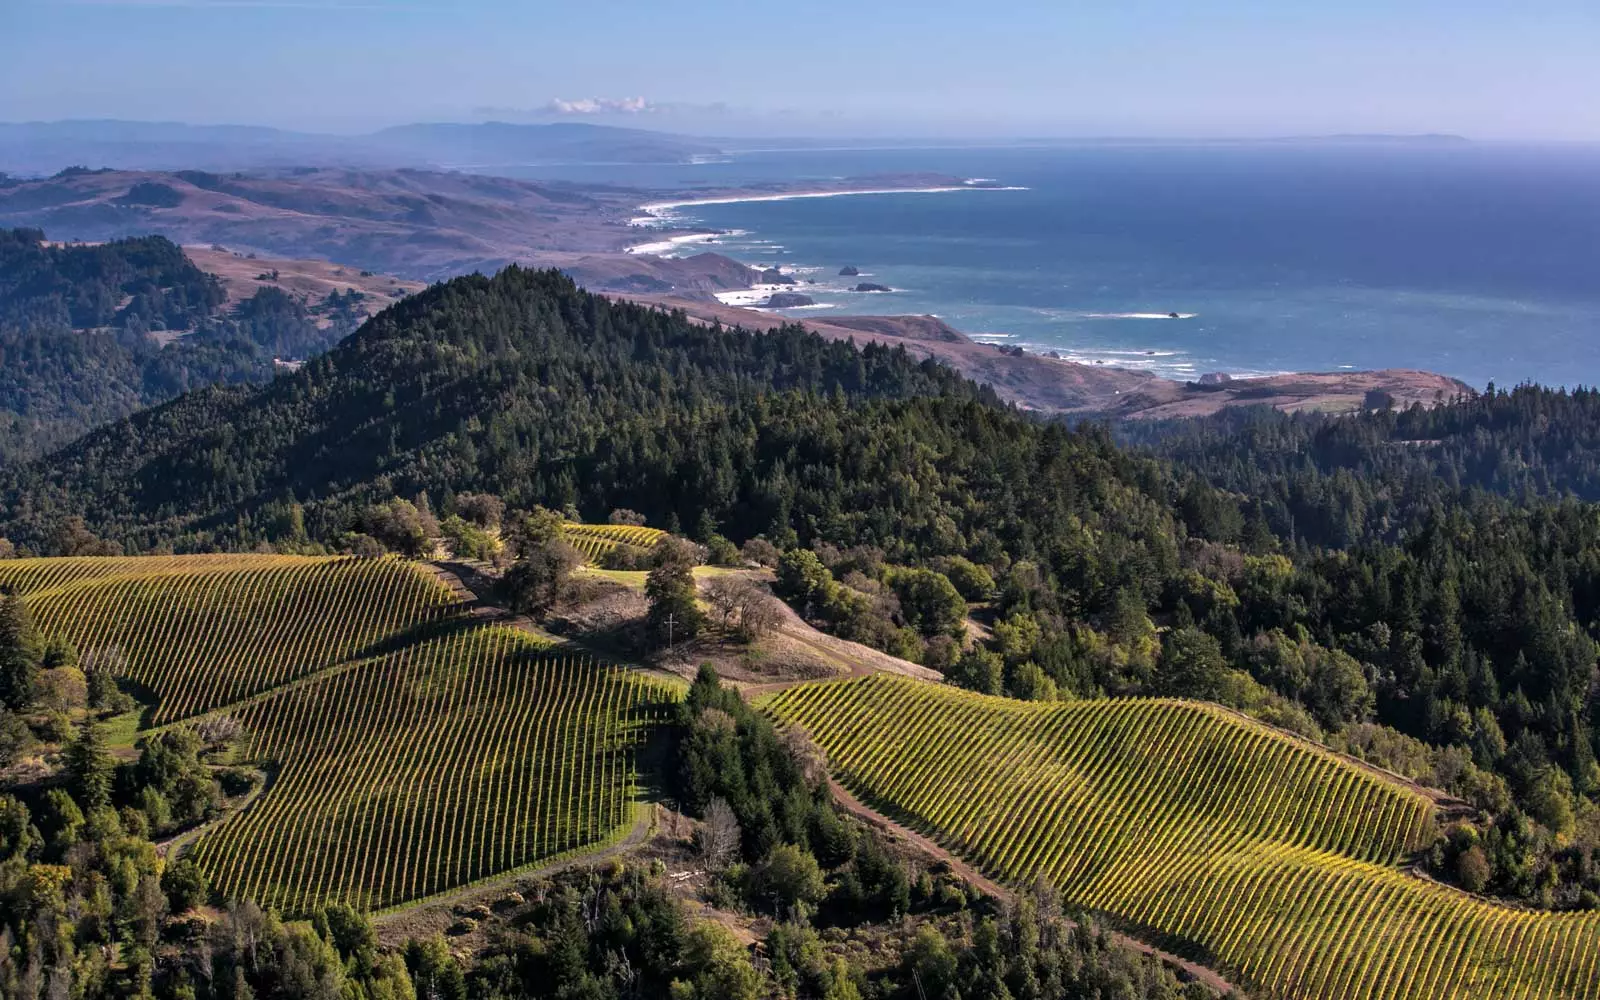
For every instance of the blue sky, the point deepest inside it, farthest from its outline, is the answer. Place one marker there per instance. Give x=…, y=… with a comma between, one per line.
x=1485, y=68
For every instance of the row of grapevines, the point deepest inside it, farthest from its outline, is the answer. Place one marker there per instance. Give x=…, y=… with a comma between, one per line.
x=432, y=767
x=593, y=541
x=203, y=631
x=1224, y=840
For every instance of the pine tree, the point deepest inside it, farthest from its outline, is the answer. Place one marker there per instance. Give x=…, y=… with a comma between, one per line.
x=19, y=653
x=89, y=768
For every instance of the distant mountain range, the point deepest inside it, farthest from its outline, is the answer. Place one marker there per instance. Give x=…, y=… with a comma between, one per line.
x=43, y=148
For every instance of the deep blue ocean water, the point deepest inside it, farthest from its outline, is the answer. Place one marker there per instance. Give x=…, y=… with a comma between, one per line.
x=1479, y=261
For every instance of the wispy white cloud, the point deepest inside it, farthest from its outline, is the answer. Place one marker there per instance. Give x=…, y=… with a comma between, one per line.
x=605, y=106
x=600, y=106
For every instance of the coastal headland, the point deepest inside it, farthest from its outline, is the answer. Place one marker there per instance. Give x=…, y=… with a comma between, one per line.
x=426, y=225
x=1052, y=385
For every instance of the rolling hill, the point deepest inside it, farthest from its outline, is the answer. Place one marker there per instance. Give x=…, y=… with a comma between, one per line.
x=92, y=332
x=200, y=632
x=1219, y=839
x=447, y=762
x=410, y=748
x=417, y=224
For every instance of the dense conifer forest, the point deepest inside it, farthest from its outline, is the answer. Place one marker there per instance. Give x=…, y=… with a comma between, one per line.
x=93, y=332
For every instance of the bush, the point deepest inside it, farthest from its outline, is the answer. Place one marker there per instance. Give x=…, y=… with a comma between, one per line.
x=402, y=526
x=802, y=579
x=363, y=546
x=467, y=540
x=761, y=552
x=972, y=581
x=16, y=740
x=53, y=727
x=627, y=557
x=929, y=602
x=787, y=880
x=481, y=509
x=185, y=884
x=721, y=552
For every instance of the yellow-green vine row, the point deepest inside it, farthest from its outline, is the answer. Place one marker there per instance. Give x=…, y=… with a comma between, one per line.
x=593, y=541
x=1265, y=857
x=431, y=768
x=198, y=632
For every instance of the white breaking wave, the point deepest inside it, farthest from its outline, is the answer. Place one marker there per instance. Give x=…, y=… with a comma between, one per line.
x=662, y=248
x=1093, y=315
x=656, y=210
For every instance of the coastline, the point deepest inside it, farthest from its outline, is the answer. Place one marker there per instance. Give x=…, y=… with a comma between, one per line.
x=844, y=300
x=1057, y=386
x=656, y=213
x=1043, y=381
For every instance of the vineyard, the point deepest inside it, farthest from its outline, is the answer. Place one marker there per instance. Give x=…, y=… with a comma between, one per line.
x=199, y=632
x=411, y=750
x=593, y=541
x=1207, y=834
x=455, y=759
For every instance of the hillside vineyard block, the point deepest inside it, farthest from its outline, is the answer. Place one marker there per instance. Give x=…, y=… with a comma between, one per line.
x=1212, y=836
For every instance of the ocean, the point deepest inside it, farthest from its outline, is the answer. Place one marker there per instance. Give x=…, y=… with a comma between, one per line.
x=1475, y=260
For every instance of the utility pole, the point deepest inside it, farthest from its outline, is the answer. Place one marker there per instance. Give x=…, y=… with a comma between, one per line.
x=671, y=621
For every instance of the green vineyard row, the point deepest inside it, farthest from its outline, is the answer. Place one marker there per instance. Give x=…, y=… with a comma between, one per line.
x=1217, y=838
x=199, y=632
x=593, y=541
x=431, y=768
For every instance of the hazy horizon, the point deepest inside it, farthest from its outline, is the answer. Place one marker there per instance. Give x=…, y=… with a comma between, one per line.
x=1157, y=69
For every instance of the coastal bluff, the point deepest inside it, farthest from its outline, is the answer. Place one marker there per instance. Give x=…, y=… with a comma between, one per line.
x=1054, y=385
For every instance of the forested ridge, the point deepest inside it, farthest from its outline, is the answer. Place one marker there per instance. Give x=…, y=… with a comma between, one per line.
x=1313, y=573
x=1333, y=481
x=92, y=333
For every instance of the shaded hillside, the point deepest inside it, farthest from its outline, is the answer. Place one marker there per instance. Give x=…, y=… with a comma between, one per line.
x=520, y=384
x=91, y=333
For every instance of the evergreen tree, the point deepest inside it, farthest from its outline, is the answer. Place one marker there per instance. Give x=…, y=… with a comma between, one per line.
x=19, y=653
x=89, y=768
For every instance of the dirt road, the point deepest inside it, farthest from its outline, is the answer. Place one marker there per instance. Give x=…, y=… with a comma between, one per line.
x=855, y=807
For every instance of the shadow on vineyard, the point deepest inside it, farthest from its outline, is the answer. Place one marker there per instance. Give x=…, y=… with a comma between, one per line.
x=453, y=623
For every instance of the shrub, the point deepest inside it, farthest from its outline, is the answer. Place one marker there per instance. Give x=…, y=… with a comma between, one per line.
x=929, y=602
x=972, y=581
x=721, y=552
x=185, y=885
x=761, y=552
